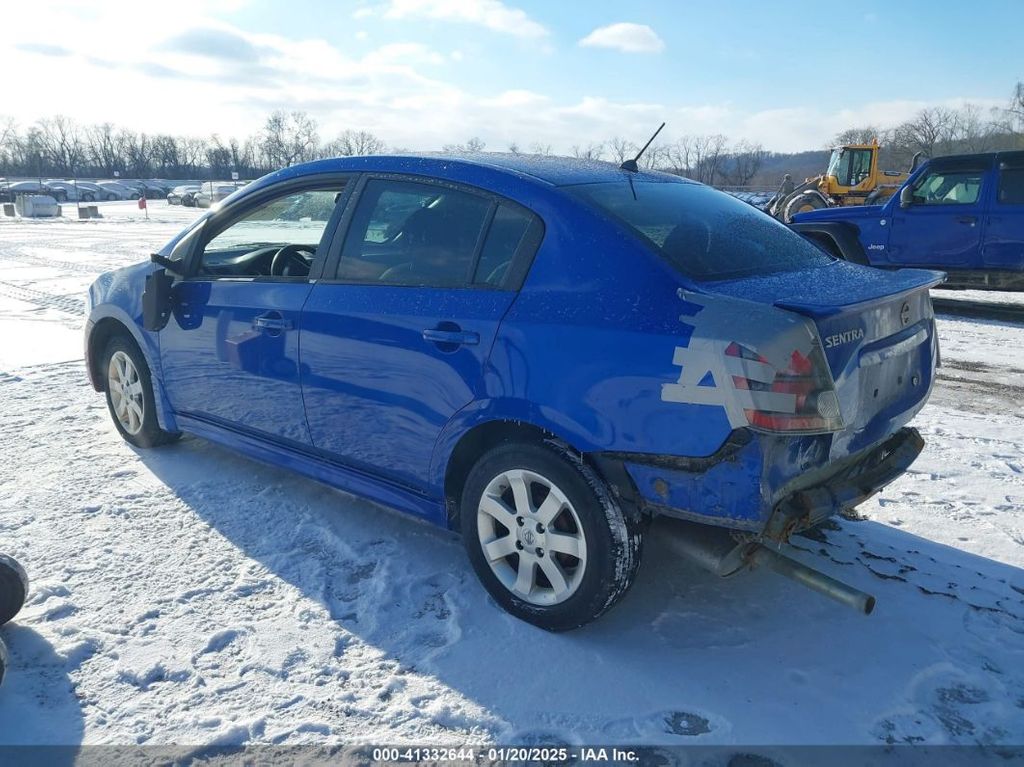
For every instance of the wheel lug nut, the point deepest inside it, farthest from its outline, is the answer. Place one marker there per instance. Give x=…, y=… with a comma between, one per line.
x=519, y=545
x=540, y=552
x=540, y=528
x=520, y=521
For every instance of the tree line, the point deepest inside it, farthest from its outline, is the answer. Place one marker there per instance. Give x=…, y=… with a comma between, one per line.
x=58, y=146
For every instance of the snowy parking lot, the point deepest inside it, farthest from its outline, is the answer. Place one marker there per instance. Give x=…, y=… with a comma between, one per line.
x=188, y=595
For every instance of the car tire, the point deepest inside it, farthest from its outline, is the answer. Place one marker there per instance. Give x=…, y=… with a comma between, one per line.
x=111, y=197
x=545, y=536
x=129, y=390
x=88, y=197
x=13, y=588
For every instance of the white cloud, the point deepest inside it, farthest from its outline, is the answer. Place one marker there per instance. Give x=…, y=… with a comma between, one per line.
x=625, y=36
x=515, y=99
x=492, y=14
x=406, y=93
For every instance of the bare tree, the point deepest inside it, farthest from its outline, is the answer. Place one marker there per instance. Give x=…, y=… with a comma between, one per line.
x=928, y=132
x=588, y=152
x=970, y=132
x=744, y=163
x=290, y=137
x=621, y=149
x=61, y=144
x=539, y=148
x=862, y=135
x=354, y=143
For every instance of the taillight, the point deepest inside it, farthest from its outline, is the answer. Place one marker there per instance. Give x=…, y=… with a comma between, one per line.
x=800, y=397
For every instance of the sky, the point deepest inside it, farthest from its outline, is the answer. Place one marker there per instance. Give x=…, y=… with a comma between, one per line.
x=423, y=73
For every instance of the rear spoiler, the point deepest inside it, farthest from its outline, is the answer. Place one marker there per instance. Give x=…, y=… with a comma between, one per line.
x=904, y=281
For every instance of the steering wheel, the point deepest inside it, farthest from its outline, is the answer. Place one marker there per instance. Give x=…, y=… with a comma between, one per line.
x=292, y=261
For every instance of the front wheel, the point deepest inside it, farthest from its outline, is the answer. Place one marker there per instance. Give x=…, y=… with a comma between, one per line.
x=803, y=203
x=545, y=536
x=13, y=588
x=130, y=395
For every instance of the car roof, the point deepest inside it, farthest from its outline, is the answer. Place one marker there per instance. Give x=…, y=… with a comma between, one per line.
x=979, y=159
x=551, y=170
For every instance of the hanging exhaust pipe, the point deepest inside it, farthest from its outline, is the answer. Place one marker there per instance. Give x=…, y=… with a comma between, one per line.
x=715, y=550
x=813, y=579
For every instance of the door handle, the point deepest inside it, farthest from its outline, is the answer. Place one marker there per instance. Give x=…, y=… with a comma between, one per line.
x=458, y=337
x=969, y=220
x=272, y=321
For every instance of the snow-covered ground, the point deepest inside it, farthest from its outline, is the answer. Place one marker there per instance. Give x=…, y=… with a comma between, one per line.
x=187, y=595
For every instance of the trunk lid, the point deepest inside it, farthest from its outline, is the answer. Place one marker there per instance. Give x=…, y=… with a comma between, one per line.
x=877, y=332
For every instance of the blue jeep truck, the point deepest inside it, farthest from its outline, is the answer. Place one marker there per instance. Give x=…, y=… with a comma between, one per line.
x=963, y=214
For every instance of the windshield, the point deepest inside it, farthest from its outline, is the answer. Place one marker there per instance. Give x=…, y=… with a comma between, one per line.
x=706, y=234
x=850, y=166
x=833, y=163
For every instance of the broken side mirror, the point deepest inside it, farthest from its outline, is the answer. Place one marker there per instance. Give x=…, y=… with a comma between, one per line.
x=906, y=196
x=158, y=296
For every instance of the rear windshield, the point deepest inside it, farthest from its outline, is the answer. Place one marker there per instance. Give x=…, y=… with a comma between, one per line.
x=706, y=234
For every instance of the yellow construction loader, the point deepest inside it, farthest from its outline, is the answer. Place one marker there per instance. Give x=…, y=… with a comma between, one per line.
x=852, y=178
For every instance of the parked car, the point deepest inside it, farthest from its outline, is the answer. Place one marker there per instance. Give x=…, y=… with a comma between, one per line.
x=90, y=191
x=542, y=354
x=211, y=193
x=115, y=190
x=151, y=190
x=68, y=191
x=963, y=214
x=179, y=194
x=31, y=187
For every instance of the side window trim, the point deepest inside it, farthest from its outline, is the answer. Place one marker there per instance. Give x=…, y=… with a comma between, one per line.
x=478, y=249
x=522, y=261
x=229, y=216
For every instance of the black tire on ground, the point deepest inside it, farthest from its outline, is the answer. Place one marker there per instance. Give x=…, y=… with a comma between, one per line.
x=13, y=588
x=88, y=197
x=803, y=203
x=111, y=196
x=148, y=433
x=613, y=540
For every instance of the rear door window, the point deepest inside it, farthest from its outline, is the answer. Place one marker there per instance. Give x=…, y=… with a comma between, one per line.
x=408, y=233
x=507, y=238
x=1011, y=186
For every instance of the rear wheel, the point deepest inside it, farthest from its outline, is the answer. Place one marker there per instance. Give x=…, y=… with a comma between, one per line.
x=546, y=538
x=130, y=395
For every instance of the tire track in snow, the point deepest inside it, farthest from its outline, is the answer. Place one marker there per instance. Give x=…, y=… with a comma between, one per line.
x=20, y=255
x=66, y=304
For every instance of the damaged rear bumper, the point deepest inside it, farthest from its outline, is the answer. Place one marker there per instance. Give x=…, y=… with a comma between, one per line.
x=738, y=487
x=843, y=484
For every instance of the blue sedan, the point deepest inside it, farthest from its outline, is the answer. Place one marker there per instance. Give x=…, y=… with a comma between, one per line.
x=541, y=354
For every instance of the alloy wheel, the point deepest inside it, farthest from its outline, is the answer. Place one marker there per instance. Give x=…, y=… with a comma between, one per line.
x=532, y=537
x=126, y=396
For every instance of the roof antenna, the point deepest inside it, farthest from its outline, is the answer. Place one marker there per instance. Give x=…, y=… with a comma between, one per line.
x=631, y=165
